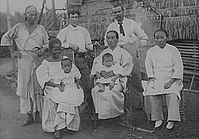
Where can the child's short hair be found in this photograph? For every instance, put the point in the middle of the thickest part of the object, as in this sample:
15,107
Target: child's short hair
107,55
66,59
161,30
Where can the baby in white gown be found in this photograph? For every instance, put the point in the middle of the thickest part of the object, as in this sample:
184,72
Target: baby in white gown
108,73
68,89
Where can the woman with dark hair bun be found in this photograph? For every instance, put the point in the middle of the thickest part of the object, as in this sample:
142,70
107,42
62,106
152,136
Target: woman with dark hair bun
110,102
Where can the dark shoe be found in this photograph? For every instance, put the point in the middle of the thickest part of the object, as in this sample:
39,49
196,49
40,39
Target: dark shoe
29,120
37,117
57,134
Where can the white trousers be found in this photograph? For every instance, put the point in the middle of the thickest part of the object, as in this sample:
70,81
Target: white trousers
172,101
33,101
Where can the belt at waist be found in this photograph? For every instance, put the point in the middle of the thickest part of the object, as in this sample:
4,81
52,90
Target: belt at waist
80,55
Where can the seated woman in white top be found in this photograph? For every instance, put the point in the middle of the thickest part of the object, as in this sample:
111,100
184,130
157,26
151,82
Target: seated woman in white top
110,103
62,96
164,68
67,85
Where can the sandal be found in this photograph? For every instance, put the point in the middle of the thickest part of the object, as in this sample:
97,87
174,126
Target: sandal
57,134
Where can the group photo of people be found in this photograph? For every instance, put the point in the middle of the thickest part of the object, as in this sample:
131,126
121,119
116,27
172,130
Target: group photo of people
54,89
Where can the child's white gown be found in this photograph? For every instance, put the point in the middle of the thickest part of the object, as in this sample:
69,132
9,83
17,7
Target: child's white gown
71,95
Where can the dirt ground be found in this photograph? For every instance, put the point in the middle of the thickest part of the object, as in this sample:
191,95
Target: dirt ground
11,119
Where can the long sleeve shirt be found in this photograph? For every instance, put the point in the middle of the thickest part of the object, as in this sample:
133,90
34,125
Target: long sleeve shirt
24,40
133,31
164,64
75,35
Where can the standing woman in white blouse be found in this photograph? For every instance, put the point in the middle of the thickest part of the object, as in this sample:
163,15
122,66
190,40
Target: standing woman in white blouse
164,68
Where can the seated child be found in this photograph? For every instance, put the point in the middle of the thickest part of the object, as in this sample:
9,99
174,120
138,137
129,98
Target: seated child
67,89
108,73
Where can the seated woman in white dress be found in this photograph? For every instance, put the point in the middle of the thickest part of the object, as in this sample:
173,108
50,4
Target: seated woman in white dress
164,68
110,103
108,73
61,95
